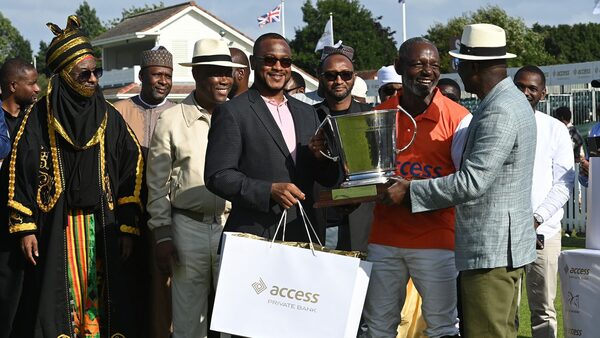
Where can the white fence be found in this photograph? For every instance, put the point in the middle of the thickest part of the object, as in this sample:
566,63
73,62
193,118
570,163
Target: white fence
575,215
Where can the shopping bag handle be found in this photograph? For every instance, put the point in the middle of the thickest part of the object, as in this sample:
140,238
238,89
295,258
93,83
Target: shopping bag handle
307,224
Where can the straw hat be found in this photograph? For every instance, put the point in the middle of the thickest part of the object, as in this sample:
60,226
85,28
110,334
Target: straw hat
211,52
482,41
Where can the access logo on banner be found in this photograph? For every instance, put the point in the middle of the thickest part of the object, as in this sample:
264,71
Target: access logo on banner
577,272
573,332
288,297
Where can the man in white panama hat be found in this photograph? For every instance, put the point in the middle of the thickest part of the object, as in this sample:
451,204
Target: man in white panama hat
495,237
187,219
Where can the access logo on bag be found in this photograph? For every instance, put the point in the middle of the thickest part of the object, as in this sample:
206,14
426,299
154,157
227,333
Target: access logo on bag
259,286
300,291
287,297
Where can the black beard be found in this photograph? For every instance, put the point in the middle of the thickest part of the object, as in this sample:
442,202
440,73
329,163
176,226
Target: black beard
339,97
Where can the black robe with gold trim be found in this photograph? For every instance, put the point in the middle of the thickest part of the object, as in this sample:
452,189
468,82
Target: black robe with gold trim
37,204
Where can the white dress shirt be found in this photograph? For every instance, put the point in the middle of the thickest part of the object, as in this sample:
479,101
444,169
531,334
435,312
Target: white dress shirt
459,140
553,173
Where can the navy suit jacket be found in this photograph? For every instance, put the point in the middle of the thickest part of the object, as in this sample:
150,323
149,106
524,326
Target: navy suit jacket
247,153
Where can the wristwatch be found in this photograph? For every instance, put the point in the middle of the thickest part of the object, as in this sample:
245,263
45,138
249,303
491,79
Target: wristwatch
538,218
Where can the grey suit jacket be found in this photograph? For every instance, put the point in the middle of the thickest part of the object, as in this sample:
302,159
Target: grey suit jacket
492,189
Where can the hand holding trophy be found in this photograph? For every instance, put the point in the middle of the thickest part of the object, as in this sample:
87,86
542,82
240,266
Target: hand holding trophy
366,146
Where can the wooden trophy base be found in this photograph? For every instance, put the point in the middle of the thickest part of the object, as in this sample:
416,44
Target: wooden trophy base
352,195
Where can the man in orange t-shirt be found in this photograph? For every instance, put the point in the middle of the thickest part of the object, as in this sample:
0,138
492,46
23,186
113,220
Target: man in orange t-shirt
420,246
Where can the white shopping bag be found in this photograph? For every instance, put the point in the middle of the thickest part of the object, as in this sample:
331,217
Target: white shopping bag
275,290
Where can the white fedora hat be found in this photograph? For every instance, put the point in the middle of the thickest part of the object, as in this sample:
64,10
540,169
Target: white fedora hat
211,52
482,41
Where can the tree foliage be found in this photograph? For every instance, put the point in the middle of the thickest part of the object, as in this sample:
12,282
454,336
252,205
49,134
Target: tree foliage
40,58
127,12
90,23
520,39
570,44
43,84
374,44
12,44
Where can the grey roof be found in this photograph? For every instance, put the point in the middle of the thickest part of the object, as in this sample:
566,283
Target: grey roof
142,22
145,21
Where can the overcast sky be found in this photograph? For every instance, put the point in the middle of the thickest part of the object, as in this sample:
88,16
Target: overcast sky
30,16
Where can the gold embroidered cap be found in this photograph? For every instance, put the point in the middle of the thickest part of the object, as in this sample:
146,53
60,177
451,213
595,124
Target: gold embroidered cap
157,56
68,46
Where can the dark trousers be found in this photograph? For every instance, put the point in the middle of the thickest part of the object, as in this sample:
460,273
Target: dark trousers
11,284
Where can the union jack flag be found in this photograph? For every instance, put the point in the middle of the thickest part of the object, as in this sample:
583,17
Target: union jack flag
271,16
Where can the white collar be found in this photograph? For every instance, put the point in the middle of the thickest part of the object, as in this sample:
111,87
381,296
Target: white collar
152,105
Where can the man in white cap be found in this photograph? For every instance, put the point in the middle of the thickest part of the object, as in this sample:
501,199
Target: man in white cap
495,237
185,218
390,82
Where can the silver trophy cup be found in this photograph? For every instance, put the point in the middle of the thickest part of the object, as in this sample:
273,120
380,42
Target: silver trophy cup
365,143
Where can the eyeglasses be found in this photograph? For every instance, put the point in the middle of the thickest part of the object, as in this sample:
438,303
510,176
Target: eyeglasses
86,74
389,90
345,75
270,61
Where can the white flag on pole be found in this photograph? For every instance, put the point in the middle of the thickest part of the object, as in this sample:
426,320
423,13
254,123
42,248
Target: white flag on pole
597,7
327,37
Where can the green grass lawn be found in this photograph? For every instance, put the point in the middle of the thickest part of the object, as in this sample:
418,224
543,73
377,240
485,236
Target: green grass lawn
568,243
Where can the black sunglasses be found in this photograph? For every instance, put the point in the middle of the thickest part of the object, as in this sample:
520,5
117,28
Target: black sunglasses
86,74
270,61
388,90
345,75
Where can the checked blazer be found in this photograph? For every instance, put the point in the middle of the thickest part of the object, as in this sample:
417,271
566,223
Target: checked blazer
492,189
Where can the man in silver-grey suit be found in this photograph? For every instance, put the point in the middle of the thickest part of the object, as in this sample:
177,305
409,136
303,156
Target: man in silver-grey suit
495,236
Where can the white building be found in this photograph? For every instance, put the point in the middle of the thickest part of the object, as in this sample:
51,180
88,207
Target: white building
176,28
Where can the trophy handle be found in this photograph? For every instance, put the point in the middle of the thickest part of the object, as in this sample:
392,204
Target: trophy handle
327,120
414,131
